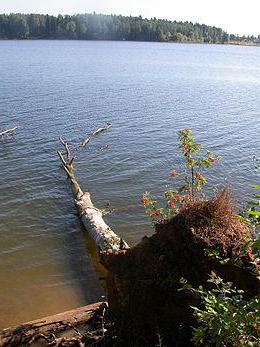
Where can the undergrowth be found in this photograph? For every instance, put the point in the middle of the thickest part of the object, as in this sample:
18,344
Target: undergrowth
224,317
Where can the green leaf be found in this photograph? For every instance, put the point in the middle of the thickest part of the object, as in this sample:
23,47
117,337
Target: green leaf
254,186
254,213
224,261
254,203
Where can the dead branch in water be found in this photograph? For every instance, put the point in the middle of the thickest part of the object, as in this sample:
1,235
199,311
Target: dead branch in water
8,132
95,133
91,217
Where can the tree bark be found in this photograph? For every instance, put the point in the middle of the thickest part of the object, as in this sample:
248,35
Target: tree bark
92,217
42,328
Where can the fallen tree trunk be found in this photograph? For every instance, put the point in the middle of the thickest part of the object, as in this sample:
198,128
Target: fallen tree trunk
92,217
8,131
105,240
47,327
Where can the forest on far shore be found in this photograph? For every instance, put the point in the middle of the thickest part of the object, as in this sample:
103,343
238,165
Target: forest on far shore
112,27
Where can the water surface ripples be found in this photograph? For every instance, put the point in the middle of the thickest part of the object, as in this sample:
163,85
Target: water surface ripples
148,91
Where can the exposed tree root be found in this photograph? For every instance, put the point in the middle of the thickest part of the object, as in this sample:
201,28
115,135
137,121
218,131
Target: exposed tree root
143,282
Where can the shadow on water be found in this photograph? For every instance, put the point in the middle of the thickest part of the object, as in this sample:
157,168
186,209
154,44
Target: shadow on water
83,261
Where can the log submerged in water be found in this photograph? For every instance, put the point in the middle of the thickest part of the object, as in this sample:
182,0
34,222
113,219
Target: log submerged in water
92,217
48,329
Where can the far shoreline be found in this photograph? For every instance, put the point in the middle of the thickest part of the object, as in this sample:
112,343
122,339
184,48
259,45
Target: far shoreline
231,43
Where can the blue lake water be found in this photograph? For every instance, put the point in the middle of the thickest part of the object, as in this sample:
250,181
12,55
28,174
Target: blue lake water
148,91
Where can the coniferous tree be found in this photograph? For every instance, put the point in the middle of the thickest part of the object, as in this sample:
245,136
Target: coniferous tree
109,27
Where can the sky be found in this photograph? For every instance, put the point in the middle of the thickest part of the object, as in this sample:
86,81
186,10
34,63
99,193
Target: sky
235,16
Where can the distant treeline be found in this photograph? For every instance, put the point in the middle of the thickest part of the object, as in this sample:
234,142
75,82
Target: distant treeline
109,27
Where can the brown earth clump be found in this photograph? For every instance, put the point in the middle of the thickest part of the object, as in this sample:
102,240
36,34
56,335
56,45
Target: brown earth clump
144,281
215,222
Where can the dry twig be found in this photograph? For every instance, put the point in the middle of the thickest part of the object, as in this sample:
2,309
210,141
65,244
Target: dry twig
95,133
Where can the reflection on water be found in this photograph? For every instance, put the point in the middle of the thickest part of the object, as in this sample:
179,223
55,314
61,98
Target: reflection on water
147,91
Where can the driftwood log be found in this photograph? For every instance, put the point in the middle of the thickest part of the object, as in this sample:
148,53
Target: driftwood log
8,132
91,217
27,333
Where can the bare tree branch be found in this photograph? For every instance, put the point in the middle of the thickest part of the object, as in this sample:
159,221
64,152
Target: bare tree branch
66,146
95,133
84,143
8,131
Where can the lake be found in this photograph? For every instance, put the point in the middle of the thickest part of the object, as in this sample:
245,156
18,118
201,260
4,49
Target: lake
148,91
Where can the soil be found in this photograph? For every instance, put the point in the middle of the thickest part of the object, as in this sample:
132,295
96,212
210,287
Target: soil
144,282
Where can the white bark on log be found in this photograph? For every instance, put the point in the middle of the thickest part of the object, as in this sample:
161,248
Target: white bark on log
8,131
92,217
22,334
